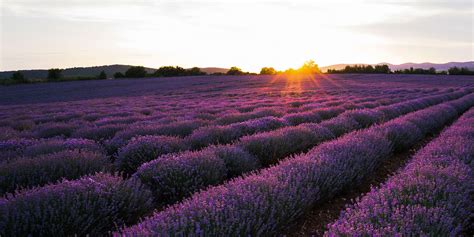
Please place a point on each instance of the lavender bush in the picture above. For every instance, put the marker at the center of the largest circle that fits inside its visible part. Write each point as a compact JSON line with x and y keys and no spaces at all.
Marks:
{"x":54,"y":129}
{"x":46,"y":146}
{"x":98,"y":133}
{"x":264,"y":202}
{"x":209,"y":135}
{"x":143,"y":149}
{"x":428,"y":197}
{"x":41,"y":170}
{"x":91,"y":205}
{"x":175,"y":129}
{"x":173,"y":177}
{"x":237,"y":161}
{"x":270,"y":147}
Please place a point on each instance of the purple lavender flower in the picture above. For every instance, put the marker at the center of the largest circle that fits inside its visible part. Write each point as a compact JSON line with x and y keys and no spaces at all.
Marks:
{"x":146,"y":148}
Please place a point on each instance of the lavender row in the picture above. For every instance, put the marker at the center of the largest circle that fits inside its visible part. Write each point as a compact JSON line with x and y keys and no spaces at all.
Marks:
{"x":49,"y":168}
{"x":266,"y":146}
{"x":116,"y":109}
{"x":92,"y":205}
{"x":201,"y":135}
{"x":262,"y":150}
{"x":264,"y":202}
{"x":70,"y":124}
{"x":431,"y":196}
{"x":51,"y":160}
{"x":23,"y":202}
{"x":213,"y":135}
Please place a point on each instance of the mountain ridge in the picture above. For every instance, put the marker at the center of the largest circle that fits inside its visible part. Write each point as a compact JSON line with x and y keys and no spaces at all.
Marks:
{"x":93,"y":71}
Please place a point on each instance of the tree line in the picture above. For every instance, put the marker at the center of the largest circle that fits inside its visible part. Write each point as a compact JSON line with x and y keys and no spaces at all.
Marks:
{"x":309,"y":67}
{"x":382,"y":69}
{"x":385,"y":69}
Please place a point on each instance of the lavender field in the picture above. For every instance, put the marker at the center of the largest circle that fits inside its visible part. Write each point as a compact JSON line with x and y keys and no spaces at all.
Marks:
{"x":385,"y":155}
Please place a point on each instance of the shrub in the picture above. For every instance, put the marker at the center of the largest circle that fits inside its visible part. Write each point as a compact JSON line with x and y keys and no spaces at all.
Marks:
{"x":205,"y":136}
{"x":136,"y":72}
{"x":236,"y":160}
{"x":401,"y":134}
{"x":47,"y":146}
{"x":428,"y":121}
{"x":173,"y":177}
{"x":365,"y":117}
{"x":337,"y":157}
{"x":208,"y":135}
{"x":268,"y":71}
{"x":180,"y":129}
{"x":263,"y":203}
{"x":235,"y":71}
{"x":29,"y":172}
{"x":143,"y":149}
{"x":240,"y":117}
{"x":54,"y":74}
{"x":341,"y":125}
{"x":430,"y":196}
{"x":119,"y":75}
{"x":91,"y":205}
{"x":302,"y":117}
{"x":7,"y":133}
{"x":98,"y":133}
{"x":53,"y":129}
{"x":270,"y":147}
{"x":11,"y":149}
{"x":19,"y":77}
{"x":102,"y":75}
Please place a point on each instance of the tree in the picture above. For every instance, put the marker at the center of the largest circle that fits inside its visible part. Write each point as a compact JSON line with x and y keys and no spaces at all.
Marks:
{"x":119,"y":75}
{"x":170,"y":71}
{"x":54,"y":74}
{"x":195,"y":71}
{"x":235,"y":71}
{"x":136,"y":72}
{"x":102,"y":75}
{"x":382,"y":69}
{"x":309,"y":67}
{"x":460,"y":71}
{"x":18,"y":77}
{"x":268,"y":71}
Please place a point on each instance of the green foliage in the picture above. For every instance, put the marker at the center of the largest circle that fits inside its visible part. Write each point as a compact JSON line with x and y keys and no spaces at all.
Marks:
{"x":460,"y":71}
{"x":136,"y":72}
{"x":309,"y":67}
{"x":55,"y":74}
{"x":102,"y":75}
{"x":382,"y":69}
{"x":235,"y":71}
{"x":19,"y":77}
{"x":412,"y":70}
{"x":118,"y":75}
{"x":268,"y":71}
{"x":195,"y":71}
{"x":170,"y":71}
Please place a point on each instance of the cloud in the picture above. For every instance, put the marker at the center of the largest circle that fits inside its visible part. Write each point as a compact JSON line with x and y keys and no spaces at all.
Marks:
{"x":103,"y":10}
{"x":431,"y":4}
{"x":434,"y":29}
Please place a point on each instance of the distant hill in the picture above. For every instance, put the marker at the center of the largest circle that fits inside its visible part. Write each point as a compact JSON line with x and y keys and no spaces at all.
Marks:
{"x":437,"y":66}
{"x":110,"y":70}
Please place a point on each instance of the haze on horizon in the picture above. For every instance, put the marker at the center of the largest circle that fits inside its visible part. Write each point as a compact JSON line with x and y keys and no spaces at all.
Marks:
{"x":249,"y":34}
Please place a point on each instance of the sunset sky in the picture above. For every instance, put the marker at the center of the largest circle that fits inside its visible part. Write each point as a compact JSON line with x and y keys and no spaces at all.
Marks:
{"x":249,"y":34}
